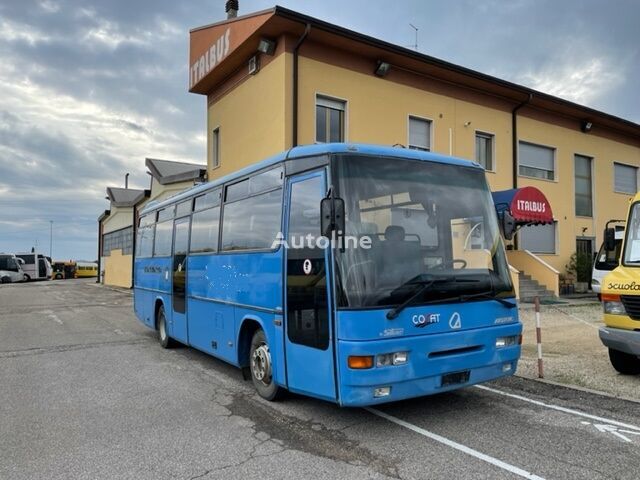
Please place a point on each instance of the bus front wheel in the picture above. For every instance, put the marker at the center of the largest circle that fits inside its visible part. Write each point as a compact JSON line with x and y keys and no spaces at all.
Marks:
{"x":163,"y":336}
{"x":262,"y":368}
{"x":624,"y":363}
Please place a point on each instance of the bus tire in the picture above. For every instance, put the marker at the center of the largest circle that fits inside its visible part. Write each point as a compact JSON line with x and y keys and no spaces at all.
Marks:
{"x":624,"y":363}
{"x":261,"y":367}
{"x":163,"y":337}
{"x":27,"y":277}
{"x":5,"y":280}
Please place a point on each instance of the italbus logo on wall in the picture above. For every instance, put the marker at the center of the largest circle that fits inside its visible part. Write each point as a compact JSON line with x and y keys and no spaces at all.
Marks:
{"x":209,"y":59}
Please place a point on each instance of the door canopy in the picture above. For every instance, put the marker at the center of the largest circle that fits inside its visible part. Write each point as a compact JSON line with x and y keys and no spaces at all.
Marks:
{"x":527,"y":205}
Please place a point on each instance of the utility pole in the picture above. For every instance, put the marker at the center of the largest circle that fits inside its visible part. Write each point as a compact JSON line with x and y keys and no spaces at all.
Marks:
{"x":51,"y":239}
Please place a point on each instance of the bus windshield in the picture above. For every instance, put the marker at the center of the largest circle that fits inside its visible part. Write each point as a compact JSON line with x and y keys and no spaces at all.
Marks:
{"x":431,"y":226}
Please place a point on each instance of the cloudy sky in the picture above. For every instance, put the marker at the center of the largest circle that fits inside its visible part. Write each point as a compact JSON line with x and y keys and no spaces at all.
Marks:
{"x":88,"y":89}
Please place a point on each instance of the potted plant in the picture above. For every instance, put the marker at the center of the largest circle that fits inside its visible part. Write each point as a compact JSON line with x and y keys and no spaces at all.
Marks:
{"x":580,"y":268}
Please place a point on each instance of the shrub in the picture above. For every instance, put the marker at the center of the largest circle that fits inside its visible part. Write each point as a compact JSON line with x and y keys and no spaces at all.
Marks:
{"x":580,"y":266}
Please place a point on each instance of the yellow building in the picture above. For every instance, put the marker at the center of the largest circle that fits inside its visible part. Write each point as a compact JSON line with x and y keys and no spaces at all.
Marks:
{"x":117,"y":226}
{"x":276,"y":78}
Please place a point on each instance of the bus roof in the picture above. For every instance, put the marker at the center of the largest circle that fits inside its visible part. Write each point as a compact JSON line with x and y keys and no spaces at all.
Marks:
{"x":315,"y":150}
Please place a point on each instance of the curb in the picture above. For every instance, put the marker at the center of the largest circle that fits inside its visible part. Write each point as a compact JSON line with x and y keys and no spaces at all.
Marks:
{"x":115,"y":289}
{"x":580,"y":389}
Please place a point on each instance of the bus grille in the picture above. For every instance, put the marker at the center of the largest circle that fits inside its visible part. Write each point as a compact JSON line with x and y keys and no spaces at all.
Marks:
{"x":631,"y":305}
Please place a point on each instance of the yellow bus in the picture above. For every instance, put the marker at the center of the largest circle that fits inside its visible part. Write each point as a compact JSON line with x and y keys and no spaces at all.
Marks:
{"x":63,"y":270}
{"x":86,"y":269}
{"x":621,"y":297}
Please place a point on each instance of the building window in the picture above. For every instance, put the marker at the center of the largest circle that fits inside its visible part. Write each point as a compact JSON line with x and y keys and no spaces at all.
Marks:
{"x":215,"y":147}
{"x":329,"y":120}
{"x":536,"y":161}
{"x":419,"y":134}
{"x":118,"y":240}
{"x":625,"y":178}
{"x":538,"y":238}
{"x":484,"y":150}
{"x":583,"y":186}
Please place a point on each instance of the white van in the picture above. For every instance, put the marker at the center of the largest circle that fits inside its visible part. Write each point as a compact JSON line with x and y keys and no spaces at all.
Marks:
{"x":35,"y":266}
{"x":605,"y":261}
{"x":10,"y":269}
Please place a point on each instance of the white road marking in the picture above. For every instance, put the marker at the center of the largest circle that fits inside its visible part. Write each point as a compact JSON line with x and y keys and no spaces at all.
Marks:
{"x":560,"y":409}
{"x":613,"y":429}
{"x":575,"y":317}
{"x":458,"y":446}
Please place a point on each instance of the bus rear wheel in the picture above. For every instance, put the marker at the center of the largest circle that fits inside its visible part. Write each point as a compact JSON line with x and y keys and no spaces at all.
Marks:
{"x":261,"y":367}
{"x":163,"y":336}
{"x":5,"y":280}
{"x":624,"y":363}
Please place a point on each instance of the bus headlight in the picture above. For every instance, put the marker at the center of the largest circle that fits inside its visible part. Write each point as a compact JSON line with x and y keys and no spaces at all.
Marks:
{"x":387,"y":359}
{"x":507,"y":341}
{"x":612,"y":305}
{"x":594,"y":282}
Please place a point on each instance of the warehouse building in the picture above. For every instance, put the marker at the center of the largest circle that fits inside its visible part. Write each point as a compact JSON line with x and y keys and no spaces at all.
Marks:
{"x":276,"y":78}
{"x":117,"y":226}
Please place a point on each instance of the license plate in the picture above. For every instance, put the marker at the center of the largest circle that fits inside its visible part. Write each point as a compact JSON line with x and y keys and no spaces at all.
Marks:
{"x":455,"y":378}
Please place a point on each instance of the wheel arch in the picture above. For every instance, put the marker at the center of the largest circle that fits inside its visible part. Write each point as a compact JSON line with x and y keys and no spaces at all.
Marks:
{"x":248,"y":326}
{"x":158,"y":302}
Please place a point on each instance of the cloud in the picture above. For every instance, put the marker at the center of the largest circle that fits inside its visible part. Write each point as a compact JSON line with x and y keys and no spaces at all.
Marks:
{"x":89,"y":89}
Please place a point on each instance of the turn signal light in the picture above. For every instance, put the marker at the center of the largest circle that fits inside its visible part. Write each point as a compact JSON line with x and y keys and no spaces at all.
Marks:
{"x":610,"y":297}
{"x":360,"y":362}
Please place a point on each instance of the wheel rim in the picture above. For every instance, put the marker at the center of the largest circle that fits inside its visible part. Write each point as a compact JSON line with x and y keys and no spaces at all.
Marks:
{"x":163,"y":329}
{"x":261,"y":364}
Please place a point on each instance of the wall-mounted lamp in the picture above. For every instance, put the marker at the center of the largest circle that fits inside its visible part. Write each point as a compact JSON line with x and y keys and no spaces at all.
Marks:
{"x":586,"y":126}
{"x":382,"y":68}
{"x":466,"y":124}
{"x":267,"y":46}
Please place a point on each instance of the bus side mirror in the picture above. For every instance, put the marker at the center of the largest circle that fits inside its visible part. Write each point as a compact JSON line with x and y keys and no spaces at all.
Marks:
{"x":331,"y":215}
{"x":508,"y":224}
{"x":609,"y":239}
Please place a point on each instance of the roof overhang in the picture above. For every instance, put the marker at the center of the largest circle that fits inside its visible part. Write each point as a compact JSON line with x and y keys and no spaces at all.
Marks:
{"x":183,"y":172}
{"x":126,"y":197}
{"x":218,"y":50}
{"x":527,"y":205}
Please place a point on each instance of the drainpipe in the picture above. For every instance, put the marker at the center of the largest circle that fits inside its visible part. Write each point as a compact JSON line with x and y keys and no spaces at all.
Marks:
{"x":514,"y":133}
{"x":99,"y":248}
{"x":514,"y":142}
{"x":294,"y":136}
{"x":134,"y":231}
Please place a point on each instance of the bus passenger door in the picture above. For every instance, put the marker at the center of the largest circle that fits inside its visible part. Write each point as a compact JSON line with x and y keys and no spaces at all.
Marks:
{"x":308,"y":344}
{"x":180,"y":248}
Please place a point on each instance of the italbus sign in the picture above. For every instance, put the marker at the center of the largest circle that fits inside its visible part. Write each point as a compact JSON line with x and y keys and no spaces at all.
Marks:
{"x":209,"y":59}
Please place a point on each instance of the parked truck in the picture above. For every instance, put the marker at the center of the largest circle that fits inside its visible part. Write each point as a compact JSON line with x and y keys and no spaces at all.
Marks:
{"x":621,"y":297}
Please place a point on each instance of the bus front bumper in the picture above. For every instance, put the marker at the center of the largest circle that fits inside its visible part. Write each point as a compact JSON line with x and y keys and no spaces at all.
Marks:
{"x":436,"y":363}
{"x":627,"y":341}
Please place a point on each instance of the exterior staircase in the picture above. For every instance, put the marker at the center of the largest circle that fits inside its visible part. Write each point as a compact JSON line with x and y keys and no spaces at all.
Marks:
{"x":529,"y":289}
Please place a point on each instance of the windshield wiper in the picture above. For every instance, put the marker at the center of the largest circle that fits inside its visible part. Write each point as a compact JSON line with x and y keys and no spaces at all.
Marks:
{"x":394,"y":312}
{"x":489,"y":296}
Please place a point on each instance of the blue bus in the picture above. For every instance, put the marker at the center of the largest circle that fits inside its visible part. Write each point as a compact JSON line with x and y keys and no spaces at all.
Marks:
{"x":352,"y":273}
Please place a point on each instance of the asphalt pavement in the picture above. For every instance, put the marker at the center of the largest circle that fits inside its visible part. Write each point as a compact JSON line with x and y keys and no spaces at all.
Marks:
{"x":86,"y":392}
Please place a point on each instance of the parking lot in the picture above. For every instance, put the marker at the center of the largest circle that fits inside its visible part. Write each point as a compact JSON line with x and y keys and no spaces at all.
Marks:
{"x":87,"y":393}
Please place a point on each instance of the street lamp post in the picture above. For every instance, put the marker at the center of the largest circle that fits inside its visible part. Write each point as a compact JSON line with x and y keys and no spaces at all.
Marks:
{"x":51,"y":240}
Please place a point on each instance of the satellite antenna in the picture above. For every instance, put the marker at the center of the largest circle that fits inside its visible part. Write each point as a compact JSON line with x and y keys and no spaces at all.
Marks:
{"x":415,"y":45}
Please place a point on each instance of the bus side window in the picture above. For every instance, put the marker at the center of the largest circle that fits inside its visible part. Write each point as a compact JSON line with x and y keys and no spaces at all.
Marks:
{"x":204,"y":230}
